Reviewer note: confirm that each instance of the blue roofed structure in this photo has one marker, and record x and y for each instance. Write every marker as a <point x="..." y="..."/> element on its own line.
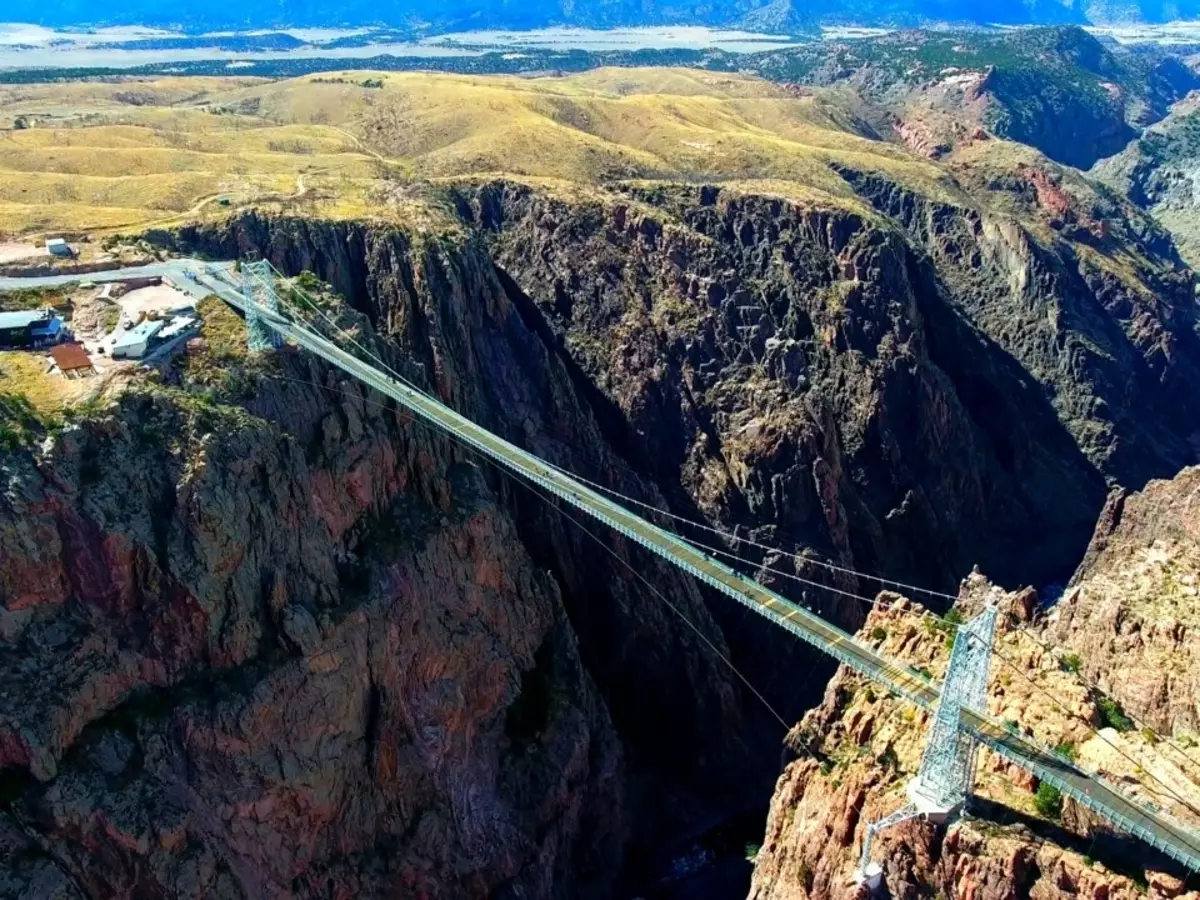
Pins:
<point x="30" y="328"/>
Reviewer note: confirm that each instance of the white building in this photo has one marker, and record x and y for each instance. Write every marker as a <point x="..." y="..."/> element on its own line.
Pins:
<point x="134" y="343"/>
<point x="178" y="325"/>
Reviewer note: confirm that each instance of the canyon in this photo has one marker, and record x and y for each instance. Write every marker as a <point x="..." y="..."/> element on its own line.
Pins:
<point x="263" y="635"/>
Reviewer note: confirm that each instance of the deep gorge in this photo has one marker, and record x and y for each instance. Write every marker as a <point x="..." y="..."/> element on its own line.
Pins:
<point x="291" y="644"/>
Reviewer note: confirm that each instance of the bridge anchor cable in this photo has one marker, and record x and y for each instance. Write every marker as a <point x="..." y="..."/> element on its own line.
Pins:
<point x="959" y="723"/>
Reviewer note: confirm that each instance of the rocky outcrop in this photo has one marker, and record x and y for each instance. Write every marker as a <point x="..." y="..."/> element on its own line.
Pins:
<point x="1129" y="615"/>
<point x="1105" y="675"/>
<point x="245" y="656"/>
<point x="862" y="745"/>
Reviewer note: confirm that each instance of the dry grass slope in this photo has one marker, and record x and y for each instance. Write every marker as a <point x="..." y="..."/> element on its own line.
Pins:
<point x="129" y="154"/>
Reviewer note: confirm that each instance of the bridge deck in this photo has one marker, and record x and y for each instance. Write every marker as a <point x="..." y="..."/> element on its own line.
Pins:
<point x="1150" y="825"/>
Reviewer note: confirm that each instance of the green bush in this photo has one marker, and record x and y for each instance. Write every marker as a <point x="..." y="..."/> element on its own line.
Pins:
<point x="21" y="424"/>
<point x="309" y="282"/>
<point x="804" y="870"/>
<point x="1067" y="750"/>
<point x="947" y="626"/>
<point x="878" y="633"/>
<point x="1111" y="714"/>
<point x="1070" y="662"/>
<point x="1048" y="801"/>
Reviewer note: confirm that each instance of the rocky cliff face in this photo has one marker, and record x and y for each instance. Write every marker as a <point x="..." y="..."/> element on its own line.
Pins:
<point x="1129" y="614"/>
<point x="266" y="637"/>
<point x="774" y="360"/>
<point x="861" y="747"/>
<point x="293" y="651"/>
<point x="1103" y="677"/>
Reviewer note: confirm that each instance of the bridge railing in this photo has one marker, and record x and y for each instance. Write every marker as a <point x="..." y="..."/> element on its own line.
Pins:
<point x="1126" y="814"/>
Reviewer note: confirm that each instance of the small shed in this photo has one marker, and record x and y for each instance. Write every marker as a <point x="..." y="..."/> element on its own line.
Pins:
<point x="135" y="343"/>
<point x="58" y="247"/>
<point x="72" y="360"/>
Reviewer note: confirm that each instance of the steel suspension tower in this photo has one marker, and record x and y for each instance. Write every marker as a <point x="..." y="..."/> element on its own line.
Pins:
<point x="947" y="770"/>
<point x="258" y="285"/>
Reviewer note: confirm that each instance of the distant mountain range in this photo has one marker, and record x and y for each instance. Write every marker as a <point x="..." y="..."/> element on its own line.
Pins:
<point x="777" y="16"/>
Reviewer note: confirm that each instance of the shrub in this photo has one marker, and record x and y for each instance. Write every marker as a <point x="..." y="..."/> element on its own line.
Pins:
<point x="752" y="852"/>
<point x="878" y="633"/>
<point x="1048" y="801"/>
<point x="889" y="759"/>
<point x="1067" y="750"/>
<point x="1150" y="737"/>
<point x="1111" y="714"/>
<point x="804" y="870"/>
<point x="1070" y="662"/>
<point x="309" y="282"/>
<point x="947" y="626"/>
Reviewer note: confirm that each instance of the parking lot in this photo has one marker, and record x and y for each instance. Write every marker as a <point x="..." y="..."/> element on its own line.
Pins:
<point x="153" y="300"/>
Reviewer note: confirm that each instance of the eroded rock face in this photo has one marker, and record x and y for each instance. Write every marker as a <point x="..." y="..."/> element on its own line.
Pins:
<point x="234" y="668"/>
<point x="860" y="748"/>
<point x="1129" y="614"/>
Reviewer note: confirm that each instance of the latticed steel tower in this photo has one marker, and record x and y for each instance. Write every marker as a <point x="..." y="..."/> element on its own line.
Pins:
<point x="258" y="287"/>
<point x="948" y="765"/>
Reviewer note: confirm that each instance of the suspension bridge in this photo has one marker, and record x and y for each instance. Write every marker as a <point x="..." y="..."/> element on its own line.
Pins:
<point x="959" y="723"/>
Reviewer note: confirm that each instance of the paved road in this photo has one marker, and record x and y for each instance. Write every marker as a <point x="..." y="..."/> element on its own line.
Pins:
<point x="175" y="269"/>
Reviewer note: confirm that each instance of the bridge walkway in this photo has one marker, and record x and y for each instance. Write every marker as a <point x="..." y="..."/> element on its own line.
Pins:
<point x="1150" y="825"/>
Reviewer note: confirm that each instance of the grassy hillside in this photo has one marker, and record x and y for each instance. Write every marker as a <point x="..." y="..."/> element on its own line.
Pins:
<point x="129" y="154"/>
<point x="384" y="145"/>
